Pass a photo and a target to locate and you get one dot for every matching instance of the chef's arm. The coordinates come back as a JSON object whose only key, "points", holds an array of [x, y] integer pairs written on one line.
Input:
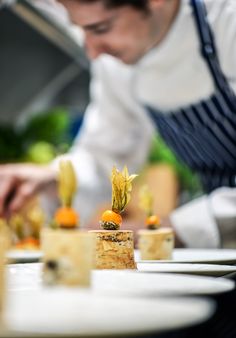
{"points": [[208, 221]]}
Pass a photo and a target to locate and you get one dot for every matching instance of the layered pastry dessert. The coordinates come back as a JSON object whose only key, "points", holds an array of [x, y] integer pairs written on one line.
{"points": [[26, 225], [68, 252], [115, 247], [68, 257], [155, 242], [4, 246]]}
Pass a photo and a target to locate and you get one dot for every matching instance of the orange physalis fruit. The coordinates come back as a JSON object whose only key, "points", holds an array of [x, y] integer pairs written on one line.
{"points": [[66, 217], [153, 221], [28, 243], [111, 219], [111, 216]]}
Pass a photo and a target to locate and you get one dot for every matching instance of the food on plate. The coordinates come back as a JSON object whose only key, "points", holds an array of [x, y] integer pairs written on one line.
{"points": [[155, 242], [26, 225], [4, 246], [115, 247], [68, 252], [28, 243]]}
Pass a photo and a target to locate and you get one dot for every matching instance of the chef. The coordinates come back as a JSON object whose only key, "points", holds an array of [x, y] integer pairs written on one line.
{"points": [[168, 65]]}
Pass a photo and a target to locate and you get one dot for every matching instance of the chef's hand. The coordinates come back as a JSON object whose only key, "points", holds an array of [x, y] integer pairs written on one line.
{"points": [[20, 182]]}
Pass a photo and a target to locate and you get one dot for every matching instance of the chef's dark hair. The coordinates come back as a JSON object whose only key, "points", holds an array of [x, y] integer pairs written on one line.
{"points": [[138, 4]]}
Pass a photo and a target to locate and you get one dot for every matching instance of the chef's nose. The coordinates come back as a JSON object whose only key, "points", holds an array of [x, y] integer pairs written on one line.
{"points": [[94, 46]]}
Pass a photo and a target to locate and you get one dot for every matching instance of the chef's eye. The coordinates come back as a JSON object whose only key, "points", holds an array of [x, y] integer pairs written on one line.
{"points": [[102, 29]]}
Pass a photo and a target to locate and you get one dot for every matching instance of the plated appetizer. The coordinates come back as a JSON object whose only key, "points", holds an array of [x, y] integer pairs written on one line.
{"points": [[115, 247], [67, 251], [26, 225], [4, 246], [155, 242]]}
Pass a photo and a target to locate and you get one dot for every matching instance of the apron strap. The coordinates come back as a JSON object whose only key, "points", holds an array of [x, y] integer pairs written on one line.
{"points": [[209, 51]]}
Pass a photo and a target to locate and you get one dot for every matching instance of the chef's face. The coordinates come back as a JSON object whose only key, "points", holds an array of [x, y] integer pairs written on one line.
{"points": [[124, 32]]}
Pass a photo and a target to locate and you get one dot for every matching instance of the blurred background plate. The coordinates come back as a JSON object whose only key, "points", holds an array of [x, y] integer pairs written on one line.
{"points": [[210, 256], [193, 269], [21, 256]]}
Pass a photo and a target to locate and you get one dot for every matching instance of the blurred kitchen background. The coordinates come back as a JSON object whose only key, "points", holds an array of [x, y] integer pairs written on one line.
{"points": [[44, 91]]}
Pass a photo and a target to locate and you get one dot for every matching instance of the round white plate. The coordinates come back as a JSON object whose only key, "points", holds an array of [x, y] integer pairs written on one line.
{"points": [[26, 276], [24, 255], [81, 313], [210, 256], [215, 270], [134, 283], [125, 282]]}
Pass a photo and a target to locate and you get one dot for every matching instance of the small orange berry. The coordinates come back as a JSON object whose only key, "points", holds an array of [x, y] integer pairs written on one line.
{"points": [[28, 243], [111, 216], [66, 217], [153, 220]]}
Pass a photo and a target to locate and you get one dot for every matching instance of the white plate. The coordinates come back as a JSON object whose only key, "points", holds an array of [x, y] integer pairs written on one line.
{"points": [[25, 276], [133, 283], [210, 256], [125, 282], [24, 255], [193, 269], [81, 313]]}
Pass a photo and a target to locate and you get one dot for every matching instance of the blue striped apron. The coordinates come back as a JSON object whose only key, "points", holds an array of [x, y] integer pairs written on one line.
{"points": [[203, 135]]}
